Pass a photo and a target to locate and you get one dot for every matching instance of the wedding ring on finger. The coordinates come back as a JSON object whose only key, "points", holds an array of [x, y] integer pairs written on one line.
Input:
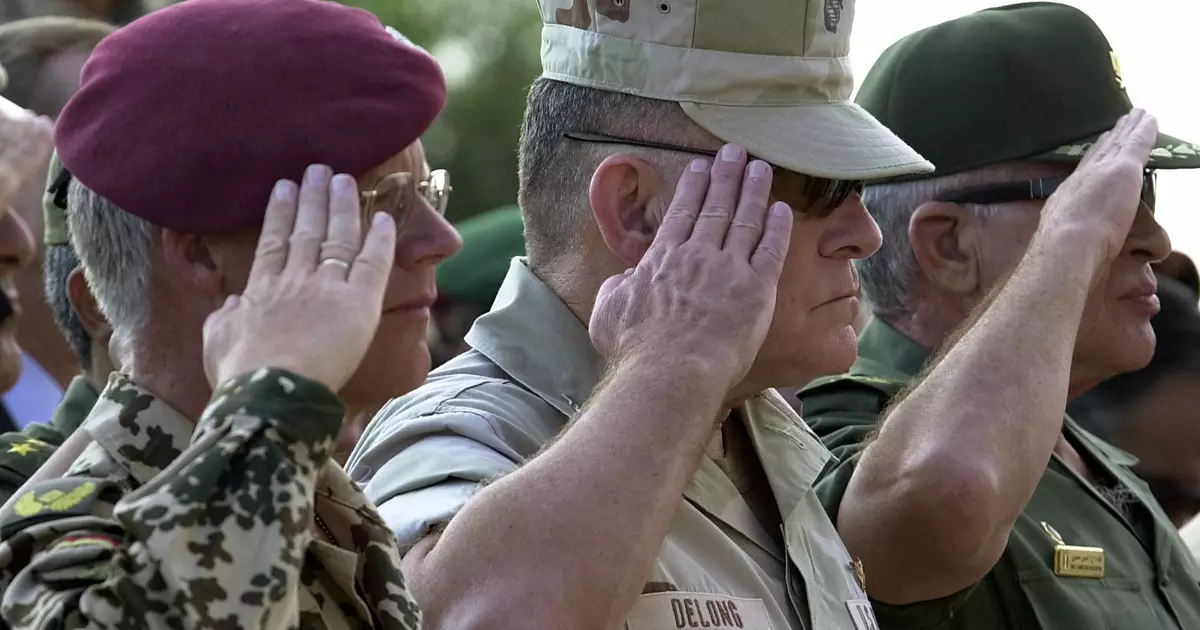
{"points": [[338, 262]]}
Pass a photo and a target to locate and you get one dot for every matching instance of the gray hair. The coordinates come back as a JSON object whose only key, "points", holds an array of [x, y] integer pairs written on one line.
{"points": [[114, 248], [59, 262], [555, 172], [889, 278]]}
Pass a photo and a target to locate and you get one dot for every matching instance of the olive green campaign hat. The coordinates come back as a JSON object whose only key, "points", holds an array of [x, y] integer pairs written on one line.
{"points": [[54, 215], [1033, 81], [771, 75], [490, 241]]}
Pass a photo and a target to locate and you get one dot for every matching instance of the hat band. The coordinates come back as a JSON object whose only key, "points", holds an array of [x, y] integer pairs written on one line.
{"points": [[673, 73]]}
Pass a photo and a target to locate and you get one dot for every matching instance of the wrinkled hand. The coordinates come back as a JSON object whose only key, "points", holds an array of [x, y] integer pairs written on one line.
{"points": [[706, 287], [25, 144], [1099, 201], [301, 312]]}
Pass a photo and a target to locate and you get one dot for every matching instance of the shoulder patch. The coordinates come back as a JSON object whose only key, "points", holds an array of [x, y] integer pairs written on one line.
{"points": [[53, 499]]}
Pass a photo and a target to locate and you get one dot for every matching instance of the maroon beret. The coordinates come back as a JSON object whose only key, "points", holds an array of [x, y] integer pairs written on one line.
{"points": [[188, 116]]}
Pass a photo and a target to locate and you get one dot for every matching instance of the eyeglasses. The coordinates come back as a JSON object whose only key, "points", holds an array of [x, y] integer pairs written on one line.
{"points": [[396, 194], [821, 195], [1032, 190]]}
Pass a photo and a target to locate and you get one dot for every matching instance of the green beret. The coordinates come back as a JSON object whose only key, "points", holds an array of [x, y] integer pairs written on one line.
{"points": [[54, 217], [490, 241]]}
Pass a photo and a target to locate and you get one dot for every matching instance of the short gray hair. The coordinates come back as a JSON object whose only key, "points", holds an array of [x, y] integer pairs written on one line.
{"points": [[889, 277], [555, 172], [114, 248]]}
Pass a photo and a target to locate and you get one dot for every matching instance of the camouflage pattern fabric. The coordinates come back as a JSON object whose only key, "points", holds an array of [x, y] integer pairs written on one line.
{"points": [[162, 523], [23, 452]]}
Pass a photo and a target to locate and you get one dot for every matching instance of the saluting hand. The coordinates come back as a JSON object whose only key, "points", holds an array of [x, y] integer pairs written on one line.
{"points": [[1099, 201], [315, 292], [705, 290]]}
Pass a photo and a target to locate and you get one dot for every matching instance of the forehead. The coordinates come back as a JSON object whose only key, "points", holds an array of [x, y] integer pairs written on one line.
{"points": [[410, 160]]}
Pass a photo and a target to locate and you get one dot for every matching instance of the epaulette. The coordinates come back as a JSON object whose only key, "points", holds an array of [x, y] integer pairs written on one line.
{"points": [[54, 499]]}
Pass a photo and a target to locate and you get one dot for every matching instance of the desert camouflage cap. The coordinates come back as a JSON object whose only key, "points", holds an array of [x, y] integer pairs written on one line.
{"points": [[771, 75]]}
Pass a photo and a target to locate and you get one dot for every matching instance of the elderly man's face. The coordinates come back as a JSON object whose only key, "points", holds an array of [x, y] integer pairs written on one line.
{"points": [[812, 332], [398, 360], [16, 251], [1115, 334]]}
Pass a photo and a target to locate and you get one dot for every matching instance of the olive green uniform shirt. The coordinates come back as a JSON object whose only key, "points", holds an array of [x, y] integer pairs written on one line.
{"points": [[167, 523], [23, 452], [1150, 579], [724, 563]]}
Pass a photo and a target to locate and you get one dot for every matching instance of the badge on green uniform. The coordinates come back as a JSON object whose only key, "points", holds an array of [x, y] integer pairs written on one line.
{"points": [[1075, 561]]}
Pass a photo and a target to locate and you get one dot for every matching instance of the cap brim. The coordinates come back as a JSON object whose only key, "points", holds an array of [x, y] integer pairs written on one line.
{"points": [[836, 140], [1169, 152]]}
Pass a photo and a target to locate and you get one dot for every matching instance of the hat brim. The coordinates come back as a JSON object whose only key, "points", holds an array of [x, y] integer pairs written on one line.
{"points": [[1168, 152], [838, 140]]}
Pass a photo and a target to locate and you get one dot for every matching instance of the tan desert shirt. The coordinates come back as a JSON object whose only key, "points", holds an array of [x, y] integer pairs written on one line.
{"points": [[488, 411]]}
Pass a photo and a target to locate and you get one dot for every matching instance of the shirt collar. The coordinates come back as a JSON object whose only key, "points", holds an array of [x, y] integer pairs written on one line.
{"points": [[533, 336], [138, 430], [77, 401], [883, 345]]}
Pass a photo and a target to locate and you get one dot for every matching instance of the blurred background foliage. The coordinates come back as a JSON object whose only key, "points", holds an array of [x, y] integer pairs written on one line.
{"points": [[489, 52]]}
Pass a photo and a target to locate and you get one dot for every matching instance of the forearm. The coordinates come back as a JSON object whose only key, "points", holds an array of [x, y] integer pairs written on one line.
{"points": [[581, 523], [234, 509], [958, 457]]}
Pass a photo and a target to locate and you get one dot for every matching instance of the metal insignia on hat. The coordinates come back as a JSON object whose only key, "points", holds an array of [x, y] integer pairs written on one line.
{"points": [[1116, 64], [833, 14]]}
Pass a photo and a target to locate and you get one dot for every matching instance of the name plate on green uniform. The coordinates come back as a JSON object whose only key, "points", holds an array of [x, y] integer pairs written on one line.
{"points": [[1073, 560], [1084, 562]]}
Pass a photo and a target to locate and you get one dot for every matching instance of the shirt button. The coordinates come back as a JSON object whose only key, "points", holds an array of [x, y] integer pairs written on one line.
{"points": [[1164, 582]]}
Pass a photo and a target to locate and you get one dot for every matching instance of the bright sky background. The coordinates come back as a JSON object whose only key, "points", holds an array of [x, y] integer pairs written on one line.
{"points": [[1156, 43]]}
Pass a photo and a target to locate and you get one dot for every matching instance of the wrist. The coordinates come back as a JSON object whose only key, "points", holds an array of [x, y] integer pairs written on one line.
{"points": [[1073, 252]]}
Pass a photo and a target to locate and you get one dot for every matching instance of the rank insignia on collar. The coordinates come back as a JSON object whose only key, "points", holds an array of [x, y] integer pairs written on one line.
{"points": [[856, 567]]}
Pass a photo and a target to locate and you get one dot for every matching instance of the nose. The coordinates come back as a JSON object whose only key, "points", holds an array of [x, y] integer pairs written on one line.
{"points": [[17, 247], [427, 239], [1147, 240], [850, 232]]}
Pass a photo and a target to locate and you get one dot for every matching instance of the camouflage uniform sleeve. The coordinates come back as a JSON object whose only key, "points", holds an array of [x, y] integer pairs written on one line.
{"points": [[216, 540]]}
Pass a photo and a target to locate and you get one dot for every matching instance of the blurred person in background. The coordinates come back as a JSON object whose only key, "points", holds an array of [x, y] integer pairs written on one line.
{"points": [[87, 332], [469, 281], [1016, 277], [43, 57], [1154, 413], [208, 497], [115, 12]]}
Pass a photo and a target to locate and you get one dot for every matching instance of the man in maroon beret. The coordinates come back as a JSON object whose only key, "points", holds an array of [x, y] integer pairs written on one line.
{"points": [[236, 516]]}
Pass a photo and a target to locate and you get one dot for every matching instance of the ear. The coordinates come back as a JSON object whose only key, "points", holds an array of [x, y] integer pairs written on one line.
{"points": [[622, 197], [85, 306], [190, 261], [945, 240]]}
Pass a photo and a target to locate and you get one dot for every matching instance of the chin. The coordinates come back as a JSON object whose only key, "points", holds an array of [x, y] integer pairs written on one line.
{"points": [[392, 368], [795, 364]]}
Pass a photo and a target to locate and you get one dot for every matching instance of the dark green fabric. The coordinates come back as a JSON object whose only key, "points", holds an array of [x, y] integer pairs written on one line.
{"points": [[490, 242], [1147, 585], [23, 452], [1035, 81]]}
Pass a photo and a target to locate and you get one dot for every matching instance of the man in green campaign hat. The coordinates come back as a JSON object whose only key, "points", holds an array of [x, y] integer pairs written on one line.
{"points": [[615, 483], [1023, 267], [469, 280]]}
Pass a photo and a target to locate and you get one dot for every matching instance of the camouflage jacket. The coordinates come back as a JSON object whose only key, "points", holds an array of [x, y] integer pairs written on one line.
{"points": [[23, 452], [162, 523]]}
